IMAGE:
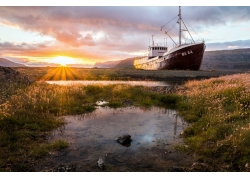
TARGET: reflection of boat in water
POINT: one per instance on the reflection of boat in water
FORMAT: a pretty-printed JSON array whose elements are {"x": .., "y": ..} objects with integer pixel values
[{"x": 181, "y": 57}]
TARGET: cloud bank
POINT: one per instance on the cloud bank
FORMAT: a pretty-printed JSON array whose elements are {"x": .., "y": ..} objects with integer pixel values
[{"x": 109, "y": 33}]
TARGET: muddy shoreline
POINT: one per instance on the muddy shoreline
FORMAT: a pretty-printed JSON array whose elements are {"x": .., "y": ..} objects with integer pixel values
[{"x": 155, "y": 159}]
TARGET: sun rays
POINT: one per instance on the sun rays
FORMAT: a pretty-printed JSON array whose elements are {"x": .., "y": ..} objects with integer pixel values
[{"x": 61, "y": 73}]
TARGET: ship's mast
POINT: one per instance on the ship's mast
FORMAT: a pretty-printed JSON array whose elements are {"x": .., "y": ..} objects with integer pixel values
[
  {"x": 180, "y": 25},
  {"x": 153, "y": 44}
]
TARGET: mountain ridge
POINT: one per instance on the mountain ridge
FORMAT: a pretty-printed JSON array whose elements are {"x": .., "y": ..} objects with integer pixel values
[
  {"x": 106, "y": 64},
  {"x": 125, "y": 63},
  {"x": 8, "y": 63}
]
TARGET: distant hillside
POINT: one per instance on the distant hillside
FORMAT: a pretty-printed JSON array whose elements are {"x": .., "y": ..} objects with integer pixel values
[
  {"x": 126, "y": 63},
  {"x": 8, "y": 63},
  {"x": 121, "y": 64},
  {"x": 226, "y": 59},
  {"x": 107, "y": 64}
]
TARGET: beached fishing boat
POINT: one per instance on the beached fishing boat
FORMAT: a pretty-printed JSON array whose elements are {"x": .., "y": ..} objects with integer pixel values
[{"x": 186, "y": 56}]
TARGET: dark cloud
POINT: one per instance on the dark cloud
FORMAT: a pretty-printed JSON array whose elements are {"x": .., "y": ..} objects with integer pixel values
[
  {"x": 22, "y": 47},
  {"x": 69, "y": 20},
  {"x": 203, "y": 17}
]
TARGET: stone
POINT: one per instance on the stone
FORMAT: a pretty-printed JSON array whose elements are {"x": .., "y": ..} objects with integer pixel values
[
  {"x": 124, "y": 140},
  {"x": 100, "y": 162},
  {"x": 247, "y": 165}
]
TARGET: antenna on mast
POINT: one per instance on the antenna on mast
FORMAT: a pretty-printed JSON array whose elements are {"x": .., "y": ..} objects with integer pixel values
[
  {"x": 166, "y": 41},
  {"x": 153, "y": 40}
]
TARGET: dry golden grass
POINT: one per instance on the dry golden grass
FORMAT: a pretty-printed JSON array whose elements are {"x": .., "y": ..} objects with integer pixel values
[{"x": 219, "y": 111}]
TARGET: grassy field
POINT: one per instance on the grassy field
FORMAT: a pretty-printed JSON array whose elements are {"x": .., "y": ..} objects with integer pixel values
[
  {"x": 28, "y": 113},
  {"x": 66, "y": 73},
  {"x": 218, "y": 110}
]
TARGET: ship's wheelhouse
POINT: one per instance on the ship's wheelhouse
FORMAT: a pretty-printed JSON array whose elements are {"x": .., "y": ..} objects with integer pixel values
[{"x": 154, "y": 51}]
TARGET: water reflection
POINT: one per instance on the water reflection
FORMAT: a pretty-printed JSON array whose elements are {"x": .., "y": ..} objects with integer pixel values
[
  {"x": 153, "y": 132},
  {"x": 144, "y": 125},
  {"x": 133, "y": 83}
]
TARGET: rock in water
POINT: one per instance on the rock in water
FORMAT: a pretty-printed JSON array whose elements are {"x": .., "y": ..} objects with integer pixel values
[
  {"x": 124, "y": 140},
  {"x": 100, "y": 162}
]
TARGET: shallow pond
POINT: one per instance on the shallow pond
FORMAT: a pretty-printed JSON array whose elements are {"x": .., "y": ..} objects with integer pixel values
[
  {"x": 153, "y": 131},
  {"x": 133, "y": 83}
]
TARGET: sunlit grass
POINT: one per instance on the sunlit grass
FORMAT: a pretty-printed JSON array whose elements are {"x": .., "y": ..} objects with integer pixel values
[
  {"x": 219, "y": 111},
  {"x": 28, "y": 113},
  {"x": 38, "y": 73},
  {"x": 69, "y": 73}
]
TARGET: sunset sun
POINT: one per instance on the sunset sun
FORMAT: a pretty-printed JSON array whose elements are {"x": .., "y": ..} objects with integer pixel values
[{"x": 63, "y": 61}]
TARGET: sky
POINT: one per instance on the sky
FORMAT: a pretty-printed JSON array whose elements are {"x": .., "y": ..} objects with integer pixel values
[{"x": 39, "y": 35}]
